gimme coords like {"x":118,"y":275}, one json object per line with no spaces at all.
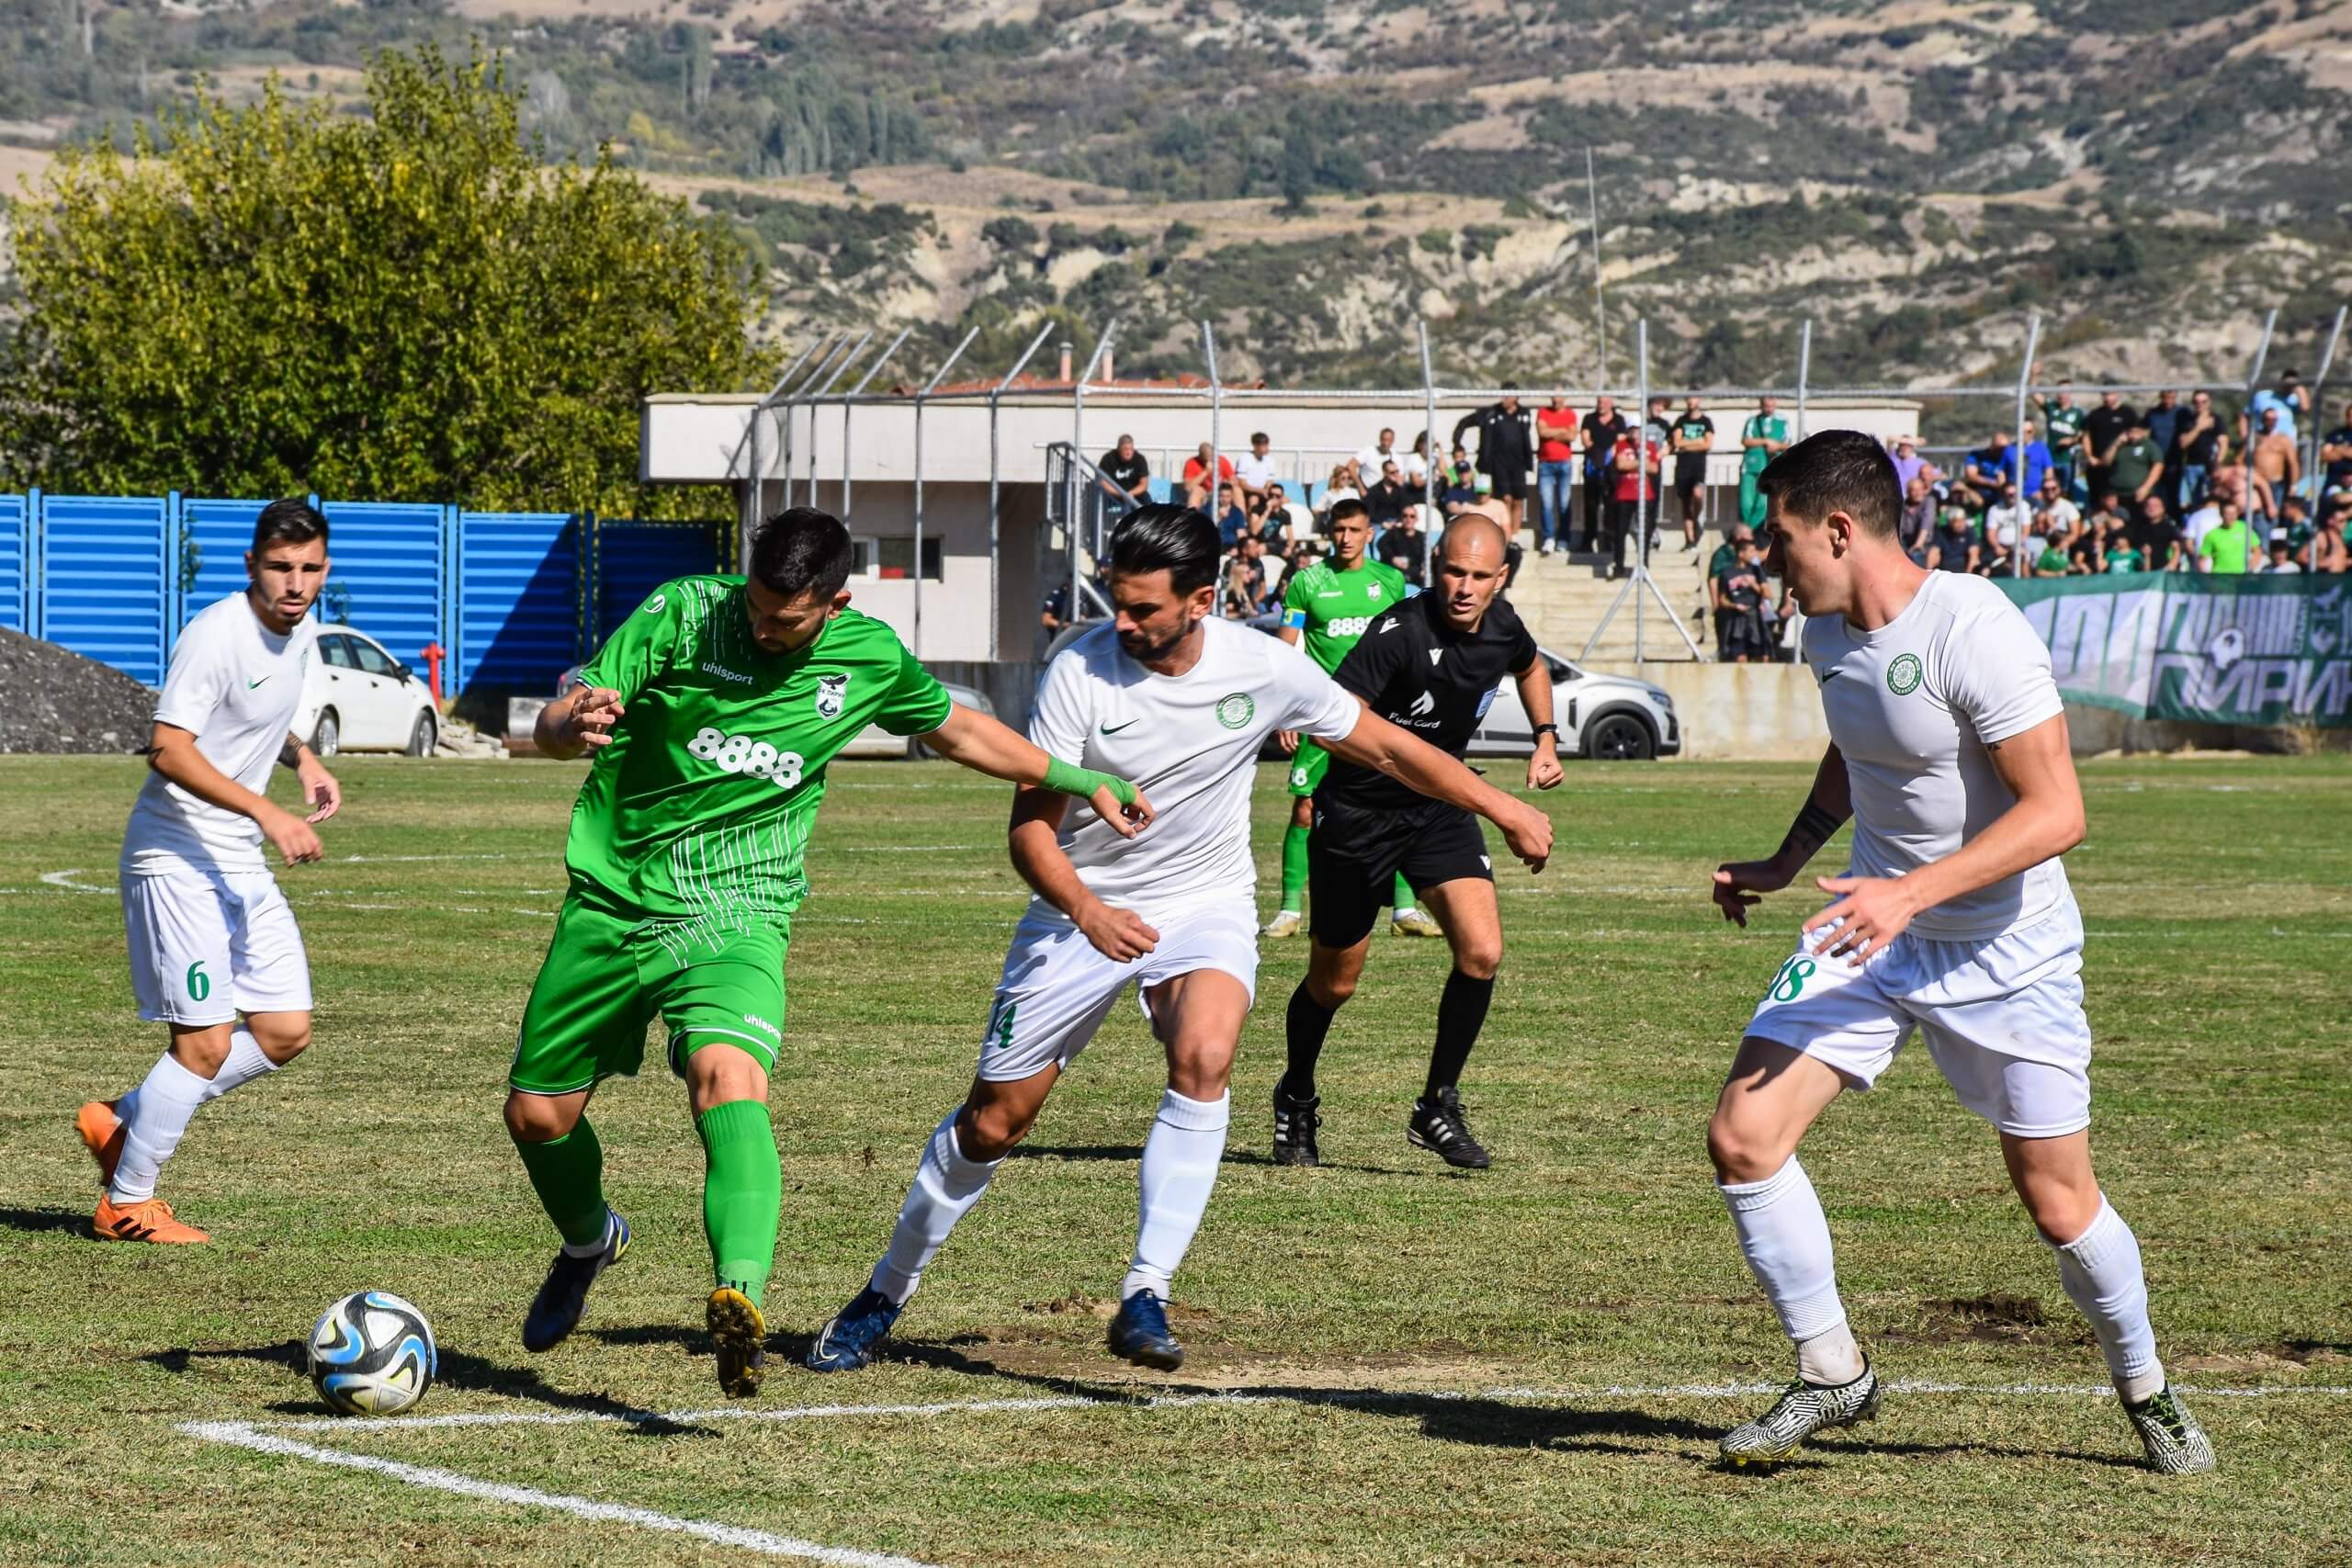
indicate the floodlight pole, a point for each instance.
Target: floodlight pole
{"x":1429,"y":406}
{"x":914,"y":640}
{"x":2318,"y":416}
{"x":1639,"y":582}
{"x":1600,"y":315}
{"x":995,"y":533}
{"x":1217,"y":420}
{"x":2025,"y":381}
{"x":1805,"y":369}
{"x":1078,"y":453}
{"x":2253,"y":377}
{"x":848,"y":406}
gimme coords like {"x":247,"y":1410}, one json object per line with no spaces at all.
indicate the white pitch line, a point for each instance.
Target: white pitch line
{"x":64,"y":879}
{"x":242,"y":1435}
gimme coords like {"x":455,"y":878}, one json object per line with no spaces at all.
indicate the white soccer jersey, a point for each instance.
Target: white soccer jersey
{"x":237,"y":687}
{"x":1912,"y":707}
{"x":1188,"y":741}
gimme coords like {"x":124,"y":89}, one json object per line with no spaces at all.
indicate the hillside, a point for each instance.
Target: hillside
{"x":1915,"y":176}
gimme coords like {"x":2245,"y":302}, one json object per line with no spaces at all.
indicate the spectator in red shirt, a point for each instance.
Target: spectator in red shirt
{"x":1634,"y":467}
{"x":1196,"y":469}
{"x":1556,"y":466}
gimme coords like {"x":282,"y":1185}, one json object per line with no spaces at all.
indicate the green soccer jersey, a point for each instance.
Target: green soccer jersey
{"x":1333,"y":608}
{"x":700,"y":810}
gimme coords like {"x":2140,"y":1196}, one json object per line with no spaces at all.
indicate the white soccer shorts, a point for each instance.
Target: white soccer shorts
{"x":1057,"y":989}
{"x":2003,"y":1019}
{"x":206,"y":948}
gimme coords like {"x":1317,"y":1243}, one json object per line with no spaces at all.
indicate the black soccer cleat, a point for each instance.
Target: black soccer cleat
{"x":563,"y":1295}
{"x":1139,"y":1334}
{"x":1295,"y":1125}
{"x":1437,"y":1125}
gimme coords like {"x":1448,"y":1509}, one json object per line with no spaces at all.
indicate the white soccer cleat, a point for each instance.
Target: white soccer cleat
{"x":1414,"y":922}
{"x":2177,"y":1445}
{"x":1798,"y":1414}
{"x":1284,"y":923}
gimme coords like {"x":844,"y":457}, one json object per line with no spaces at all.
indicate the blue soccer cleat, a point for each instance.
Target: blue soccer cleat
{"x":849,"y":1341}
{"x":1139,"y":1334}
{"x":563,"y":1295}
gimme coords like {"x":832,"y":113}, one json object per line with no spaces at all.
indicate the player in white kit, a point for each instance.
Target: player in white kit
{"x":1953,"y":918}
{"x":1179,"y":702}
{"x":215,"y":955}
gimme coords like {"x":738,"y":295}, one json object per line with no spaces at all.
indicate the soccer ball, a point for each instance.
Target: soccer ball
{"x":372,"y":1354}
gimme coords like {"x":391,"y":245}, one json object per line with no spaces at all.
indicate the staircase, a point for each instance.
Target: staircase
{"x":1562,"y":597}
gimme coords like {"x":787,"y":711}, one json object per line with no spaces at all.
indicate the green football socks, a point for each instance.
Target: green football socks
{"x":742,"y":1195}
{"x":567,"y":1173}
{"x":1401,"y":899}
{"x":1294,"y":867}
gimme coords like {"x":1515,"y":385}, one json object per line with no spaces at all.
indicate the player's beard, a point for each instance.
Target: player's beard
{"x":1143,"y":652}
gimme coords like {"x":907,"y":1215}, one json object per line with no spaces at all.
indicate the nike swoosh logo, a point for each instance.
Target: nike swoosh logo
{"x":1115,"y":728}
{"x":250,"y":684}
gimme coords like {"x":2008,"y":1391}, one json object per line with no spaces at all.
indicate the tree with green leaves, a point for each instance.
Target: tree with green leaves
{"x":402,"y":306}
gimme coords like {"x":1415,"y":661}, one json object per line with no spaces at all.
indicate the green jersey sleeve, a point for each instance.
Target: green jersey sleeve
{"x":639,"y":649}
{"x":917,"y":703}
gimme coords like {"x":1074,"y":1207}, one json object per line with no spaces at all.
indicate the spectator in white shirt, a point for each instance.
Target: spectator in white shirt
{"x":1255,"y":471}
{"x":1384,"y":450}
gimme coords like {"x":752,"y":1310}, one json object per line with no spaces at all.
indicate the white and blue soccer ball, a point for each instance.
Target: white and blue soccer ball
{"x":372,"y":1354}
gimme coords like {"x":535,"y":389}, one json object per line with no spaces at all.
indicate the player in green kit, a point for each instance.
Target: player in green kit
{"x":1329,"y":605}
{"x":710,"y":715}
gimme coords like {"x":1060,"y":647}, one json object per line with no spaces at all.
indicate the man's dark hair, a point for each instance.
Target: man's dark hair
{"x":801,"y":550}
{"x":292,"y":521}
{"x":1257,"y":436}
{"x":1351,"y":506}
{"x":1838,"y":470}
{"x":1166,"y":537}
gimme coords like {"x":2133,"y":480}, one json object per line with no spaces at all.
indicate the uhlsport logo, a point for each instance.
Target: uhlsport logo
{"x":832,"y":694}
{"x":1903,"y":675}
{"x":1236,"y":709}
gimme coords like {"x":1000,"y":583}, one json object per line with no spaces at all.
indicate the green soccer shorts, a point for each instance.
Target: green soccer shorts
{"x":606,"y":977}
{"x":1308,"y":768}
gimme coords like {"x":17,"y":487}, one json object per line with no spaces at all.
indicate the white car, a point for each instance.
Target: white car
{"x":366,"y":699}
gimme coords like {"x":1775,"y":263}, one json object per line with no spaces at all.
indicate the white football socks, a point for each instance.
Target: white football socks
{"x":245,"y":1062}
{"x":1786,"y":1238}
{"x":2100,"y":1269}
{"x":1180,"y":1161}
{"x":167,"y":1097}
{"x":946,"y":1185}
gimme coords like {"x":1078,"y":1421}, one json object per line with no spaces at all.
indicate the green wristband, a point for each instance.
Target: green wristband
{"x":1072,"y":779}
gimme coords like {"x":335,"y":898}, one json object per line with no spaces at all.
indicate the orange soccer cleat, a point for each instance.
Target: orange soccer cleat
{"x":150,"y":1220}
{"x":101,"y":1132}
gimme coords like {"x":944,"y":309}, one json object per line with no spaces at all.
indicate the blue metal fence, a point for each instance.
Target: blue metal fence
{"x":512,"y":597}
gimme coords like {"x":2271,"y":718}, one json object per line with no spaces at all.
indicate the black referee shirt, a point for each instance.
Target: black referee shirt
{"x":1417,"y":672}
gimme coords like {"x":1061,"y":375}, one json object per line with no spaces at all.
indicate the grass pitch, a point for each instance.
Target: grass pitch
{"x":1384,"y":1318}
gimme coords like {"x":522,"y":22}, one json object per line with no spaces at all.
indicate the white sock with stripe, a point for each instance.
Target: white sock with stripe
{"x":167,"y":1097}
{"x":945,"y":1187}
{"x":1180,"y":1161}
{"x":1786,"y":1238}
{"x":2100,"y":1269}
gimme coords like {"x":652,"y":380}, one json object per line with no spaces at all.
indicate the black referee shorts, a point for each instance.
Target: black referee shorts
{"x":1355,"y":856}
{"x":1509,"y":485}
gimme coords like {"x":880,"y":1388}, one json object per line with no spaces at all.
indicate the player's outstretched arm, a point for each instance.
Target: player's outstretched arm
{"x":172,"y":752}
{"x":1415,"y":763}
{"x":985,"y":745}
{"x":1739,"y":885}
{"x":2037,"y":765}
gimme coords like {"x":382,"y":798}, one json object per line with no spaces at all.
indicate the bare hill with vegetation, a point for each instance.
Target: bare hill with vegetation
{"x":1913,"y":176}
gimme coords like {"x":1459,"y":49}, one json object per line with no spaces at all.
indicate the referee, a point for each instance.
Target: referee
{"x":1432,"y":666}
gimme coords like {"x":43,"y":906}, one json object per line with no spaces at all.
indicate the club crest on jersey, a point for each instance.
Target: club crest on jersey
{"x":1236,"y":709}
{"x":1372,"y":591}
{"x":833,"y":696}
{"x":1903,"y":675}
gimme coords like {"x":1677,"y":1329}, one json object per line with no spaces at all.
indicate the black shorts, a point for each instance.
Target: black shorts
{"x":1509,"y":485}
{"x":1690,"y":473}
{"x":1355,"y":855}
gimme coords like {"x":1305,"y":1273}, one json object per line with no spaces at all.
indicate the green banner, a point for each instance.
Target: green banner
{"x":2254,"y":650}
